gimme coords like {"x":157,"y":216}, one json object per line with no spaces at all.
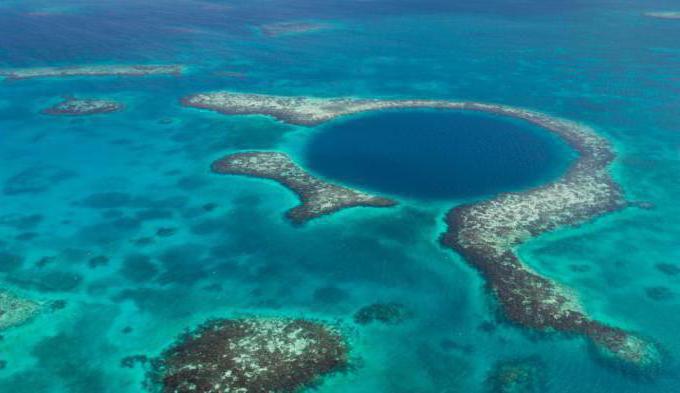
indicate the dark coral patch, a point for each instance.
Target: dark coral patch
{"x":44,"y":261}
{"x":166,"y":231}
{"x":142,"y":241}
{"x":52,"y":281}
{"x":452,"y":345}
{"x":577,"y":268}
{"x":10,"y":262}
{"x":138,"y":268}
{"x":36,"y":179}
{"x":208,"y":207}
{"x":191,"y":183}
{"x":99,"y":260}
{"x":250,"y":355}
{"x":133,"y":360}
{"x":659,"y":293}
{"x":668,"y":269}
{"x":388,"y":313}
{"x":330,"y":295}
{"x":26,"y":236}
{"x":107,"y":200}
{"x":21,"y":222}
{"x":153,"y":214}
{"x":517,"y":376}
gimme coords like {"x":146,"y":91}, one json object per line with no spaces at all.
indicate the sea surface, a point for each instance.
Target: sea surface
{"x":119,"y":216}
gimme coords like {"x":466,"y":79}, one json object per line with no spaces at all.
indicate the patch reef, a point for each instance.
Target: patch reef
{"x":251,"y":355}
{"x":76,"y":107}
{"x":16,"y":311}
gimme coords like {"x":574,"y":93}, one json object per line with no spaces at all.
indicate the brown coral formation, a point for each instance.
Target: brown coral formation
{"x":487,"y":233}
{"x":75,"y":107}
{"x":94,"y":70}
{"x":251,"y":355}
{"x":317,"y":196}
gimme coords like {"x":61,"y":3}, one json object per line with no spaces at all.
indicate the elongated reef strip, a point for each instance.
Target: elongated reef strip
{"x":487,"y":233}
{"x":317,"y":196}
{"x":285,"y":28}
{"x":664,"y":14}
{"x":251,"y":355}
{"x":76,"y":107}
{"x":91,"y":70}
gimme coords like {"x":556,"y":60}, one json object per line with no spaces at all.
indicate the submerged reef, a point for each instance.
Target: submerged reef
{"x":283,"y":28}
{"x":487,"y":233}
{"x":75,"y":107}
{"x":250,"y":355}
{"x":517,"y":376}
{"x":16,"y":311}
{"x":318,"y":197}
{"x":664,"y":14}
{"x":93,"y":70}
{"x":387,"y":313}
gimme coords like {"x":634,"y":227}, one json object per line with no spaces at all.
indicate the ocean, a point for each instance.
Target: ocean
{"x":118,"y":218}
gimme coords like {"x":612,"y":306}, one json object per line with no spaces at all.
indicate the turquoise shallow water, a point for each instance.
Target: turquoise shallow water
{"x":97,"y":185}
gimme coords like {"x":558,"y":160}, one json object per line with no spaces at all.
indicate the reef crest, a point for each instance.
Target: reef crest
{"x":318,"y":197}
{"x":91,"y":70}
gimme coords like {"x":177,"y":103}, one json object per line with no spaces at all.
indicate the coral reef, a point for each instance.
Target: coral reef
{"x":318,"y":197}
{"x":283,"y":28}
{"x":388,"y":313}
{"x":250,"y":355}
{"x":16,"y":311}
{"x":517,"y":376}
{"x":487,"y":233}
{"x":664,"y":14}
{"x":92,"y":70}
{"x":75,"y":107}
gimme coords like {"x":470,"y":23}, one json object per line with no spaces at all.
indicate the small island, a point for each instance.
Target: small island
{"x":664,"y":14}
{"x":285,"y":28}
{"x":250,"y":355}
{"x":81,"y":107}
{"x":92,"y":70}
{"x":487,"y":233}
{"x":317,"y":196}
{"x":16,"y":311}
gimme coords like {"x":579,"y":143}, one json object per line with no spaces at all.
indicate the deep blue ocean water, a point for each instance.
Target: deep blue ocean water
{"x":436,"y":154}
{"x":105,"y":185}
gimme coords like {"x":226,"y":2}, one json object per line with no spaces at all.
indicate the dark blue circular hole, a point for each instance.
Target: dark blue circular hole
{"x":436,"y":154}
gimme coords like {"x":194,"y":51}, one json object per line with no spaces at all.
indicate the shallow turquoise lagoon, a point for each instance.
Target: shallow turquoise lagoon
{"x":182,"y":245}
